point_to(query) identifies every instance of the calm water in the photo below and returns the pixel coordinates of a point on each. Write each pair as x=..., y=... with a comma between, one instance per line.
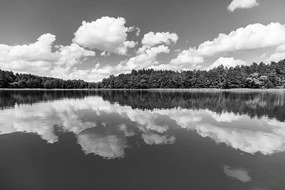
x=81, y=140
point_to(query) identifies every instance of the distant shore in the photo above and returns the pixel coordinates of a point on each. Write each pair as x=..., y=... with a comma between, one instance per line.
x=152, y=89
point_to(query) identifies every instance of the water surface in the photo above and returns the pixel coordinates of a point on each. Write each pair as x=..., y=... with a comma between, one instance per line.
x=142, y=140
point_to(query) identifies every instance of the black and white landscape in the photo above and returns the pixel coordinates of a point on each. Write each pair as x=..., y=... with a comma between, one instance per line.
x=142, y=94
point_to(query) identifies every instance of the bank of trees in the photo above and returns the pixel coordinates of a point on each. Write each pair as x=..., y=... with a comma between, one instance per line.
x=253, y=76
x=10, y=80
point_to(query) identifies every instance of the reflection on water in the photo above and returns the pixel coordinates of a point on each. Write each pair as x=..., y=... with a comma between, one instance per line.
x=103, y=123
x=110, y=124
x=240, y=174
x=103, y=144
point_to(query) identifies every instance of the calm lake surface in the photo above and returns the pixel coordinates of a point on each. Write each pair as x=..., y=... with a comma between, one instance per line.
x=150, y=140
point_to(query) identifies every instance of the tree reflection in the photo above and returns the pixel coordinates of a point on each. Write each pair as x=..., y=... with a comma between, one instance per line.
x=104, y=123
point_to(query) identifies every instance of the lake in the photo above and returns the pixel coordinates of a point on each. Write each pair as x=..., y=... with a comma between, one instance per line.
x=149, y=140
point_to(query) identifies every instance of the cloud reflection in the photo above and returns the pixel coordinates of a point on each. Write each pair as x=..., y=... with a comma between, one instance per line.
x=150, y=138
x=103, y=128
x=240, y=174
x=107, y=146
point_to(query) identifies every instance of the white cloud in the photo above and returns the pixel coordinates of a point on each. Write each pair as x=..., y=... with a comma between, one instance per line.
x=145, y=59
x=153, y=44
x=278, y=54
x=152, y=39
x=188, y=56
x=136, y=29
x=227, y=62
x=125, y=47
x=71, y=55
x=254, y=36
x=187, y=59
x=107, y=34
x=242, y=4
x=105, y=53
x=240, y=174
x=40, y=50
x=38, y=57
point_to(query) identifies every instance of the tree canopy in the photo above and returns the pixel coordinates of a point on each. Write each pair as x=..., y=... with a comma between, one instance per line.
x=253, y=76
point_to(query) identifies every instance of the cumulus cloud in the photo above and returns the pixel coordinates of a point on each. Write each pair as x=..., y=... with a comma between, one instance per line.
x=38, y=57
x=146, y=59
x=188, y=56
x=253, y=36
x=227, y=62
x=104, y=53
x=187, y=59
x=107, y=34
x=240, y=174
x=153, y=44
x=136, y=29
x=278, y=54
x=125, y=47
x=151, y=38
x=71, y=55
x=242, y=4
x=40, y=50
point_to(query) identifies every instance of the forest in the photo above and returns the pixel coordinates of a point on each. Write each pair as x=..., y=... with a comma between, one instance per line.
x=258, y=76
x=10, y=80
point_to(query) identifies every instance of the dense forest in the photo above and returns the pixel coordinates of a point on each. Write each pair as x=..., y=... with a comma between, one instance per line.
x=10, y=80
x=254, y=76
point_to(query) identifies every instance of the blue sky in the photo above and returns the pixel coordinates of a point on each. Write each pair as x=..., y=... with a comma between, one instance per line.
x=92, y=39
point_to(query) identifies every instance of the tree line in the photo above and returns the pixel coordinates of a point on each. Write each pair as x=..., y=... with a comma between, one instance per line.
x=10, y=80
x=254, y=76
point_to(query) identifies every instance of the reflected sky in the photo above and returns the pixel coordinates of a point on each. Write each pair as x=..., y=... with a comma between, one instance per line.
x=240, y=174
x=237, y=148
x=103, y=128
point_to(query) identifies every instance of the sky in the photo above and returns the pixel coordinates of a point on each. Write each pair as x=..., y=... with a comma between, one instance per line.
x=92, y=39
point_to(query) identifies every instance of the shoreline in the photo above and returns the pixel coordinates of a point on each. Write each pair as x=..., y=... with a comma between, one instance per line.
x=152, y=89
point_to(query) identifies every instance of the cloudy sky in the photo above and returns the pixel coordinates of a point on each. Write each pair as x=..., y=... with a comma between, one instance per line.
x=92, y=39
